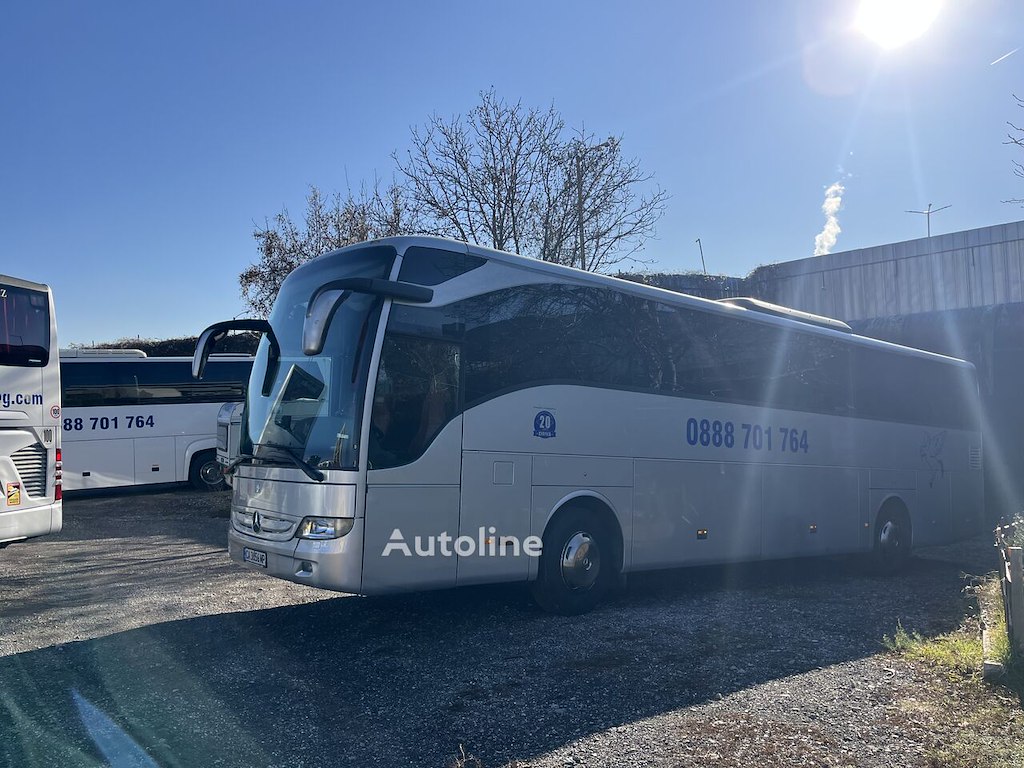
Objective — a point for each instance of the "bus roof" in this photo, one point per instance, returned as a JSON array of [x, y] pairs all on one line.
[[22, 283], [136, 354], [583, 277], [75, 352]]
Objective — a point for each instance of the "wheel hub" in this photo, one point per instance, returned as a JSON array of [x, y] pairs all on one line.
[[889, 536], [210, 473], [581, 561]]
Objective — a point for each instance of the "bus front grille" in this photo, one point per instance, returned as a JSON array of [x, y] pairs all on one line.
[[31, 464], [264, 525]]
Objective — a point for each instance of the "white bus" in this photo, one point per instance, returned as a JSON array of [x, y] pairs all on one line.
[[30, 452], [420, 408], [130, 419]]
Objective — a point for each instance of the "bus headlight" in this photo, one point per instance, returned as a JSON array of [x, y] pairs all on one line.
[[324, 527]]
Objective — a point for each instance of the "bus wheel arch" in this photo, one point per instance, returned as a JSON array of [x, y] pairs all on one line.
[[581, 557], [893, 536], [204, 472]]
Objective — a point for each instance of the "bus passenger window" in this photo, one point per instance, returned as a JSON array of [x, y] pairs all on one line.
[[416, 395]]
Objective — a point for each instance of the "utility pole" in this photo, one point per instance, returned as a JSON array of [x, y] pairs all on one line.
[[702, 256], [928, 214], [580, 150]]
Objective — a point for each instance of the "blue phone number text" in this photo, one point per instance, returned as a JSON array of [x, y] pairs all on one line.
[[723, 434]]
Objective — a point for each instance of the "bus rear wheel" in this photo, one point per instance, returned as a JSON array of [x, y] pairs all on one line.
[[576, 563], [205, 474], [892, 547]]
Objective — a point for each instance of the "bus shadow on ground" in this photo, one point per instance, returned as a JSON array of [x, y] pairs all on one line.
[[407, 680], [175, 511]]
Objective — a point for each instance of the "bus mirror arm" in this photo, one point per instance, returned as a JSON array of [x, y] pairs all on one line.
[[209, 339], [328, 297]]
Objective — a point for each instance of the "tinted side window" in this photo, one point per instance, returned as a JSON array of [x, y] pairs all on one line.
[[533, 335], [536, 334], [92, 384], [417, 393], [133, 382], [432, 266], [898, 387], [171, 382]]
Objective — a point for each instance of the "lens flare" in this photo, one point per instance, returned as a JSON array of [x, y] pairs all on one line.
[[892, 23]]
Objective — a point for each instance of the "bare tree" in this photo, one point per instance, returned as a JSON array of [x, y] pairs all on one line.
[[1016, 138], [598, 210], [503, 176], [330, 223], [476, 177]]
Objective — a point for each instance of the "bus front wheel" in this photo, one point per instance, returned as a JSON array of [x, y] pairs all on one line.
[[205, 473], [576, 563], [892, 547]]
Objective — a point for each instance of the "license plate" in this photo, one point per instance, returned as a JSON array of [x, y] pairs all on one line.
[[254, 556]]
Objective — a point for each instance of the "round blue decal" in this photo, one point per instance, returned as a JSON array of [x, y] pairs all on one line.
[[544, 424]]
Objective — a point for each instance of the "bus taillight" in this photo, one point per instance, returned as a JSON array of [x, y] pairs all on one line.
[[58, 478]]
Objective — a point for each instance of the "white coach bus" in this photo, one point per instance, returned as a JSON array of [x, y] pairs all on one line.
[[130, 419], [30, 454], [421, 412]]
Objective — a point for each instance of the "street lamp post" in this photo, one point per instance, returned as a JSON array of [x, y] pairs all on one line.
[[928, 214], [580, 150], [705, 266]]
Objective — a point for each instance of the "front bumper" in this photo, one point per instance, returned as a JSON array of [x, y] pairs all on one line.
[[334, 564]]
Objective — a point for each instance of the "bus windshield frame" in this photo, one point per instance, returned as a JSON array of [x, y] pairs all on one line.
[[314, 405]]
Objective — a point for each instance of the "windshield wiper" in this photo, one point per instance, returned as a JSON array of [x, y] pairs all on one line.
[[311, 472]]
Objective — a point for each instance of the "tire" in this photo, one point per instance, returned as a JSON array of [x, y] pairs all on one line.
[[893, 541], [576, 563], [204, 474]]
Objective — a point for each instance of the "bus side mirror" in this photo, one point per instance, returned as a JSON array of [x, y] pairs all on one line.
[[207, 341], [318, 318], [328, 297]]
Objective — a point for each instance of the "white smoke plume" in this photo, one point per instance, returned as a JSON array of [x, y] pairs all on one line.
[[826, 239]]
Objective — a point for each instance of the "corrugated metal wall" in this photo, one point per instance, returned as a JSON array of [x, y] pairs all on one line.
[[963, 270]]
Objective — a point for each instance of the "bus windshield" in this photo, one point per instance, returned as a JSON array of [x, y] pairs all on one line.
[[24, 327], [314, 407]]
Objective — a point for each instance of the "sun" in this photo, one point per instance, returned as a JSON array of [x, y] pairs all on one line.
[[892, 23]]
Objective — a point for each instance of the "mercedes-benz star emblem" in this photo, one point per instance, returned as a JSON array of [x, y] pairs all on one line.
[[256, 527]]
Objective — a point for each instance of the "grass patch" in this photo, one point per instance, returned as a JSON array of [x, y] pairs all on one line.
[[971, 722], [958, 651], [991, 598]]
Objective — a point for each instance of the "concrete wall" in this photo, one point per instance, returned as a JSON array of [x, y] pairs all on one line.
[[962, 270]]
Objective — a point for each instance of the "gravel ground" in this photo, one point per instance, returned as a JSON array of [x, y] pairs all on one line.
[[132, 634]]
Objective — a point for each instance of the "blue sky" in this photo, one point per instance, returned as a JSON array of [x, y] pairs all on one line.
[[141, 141]]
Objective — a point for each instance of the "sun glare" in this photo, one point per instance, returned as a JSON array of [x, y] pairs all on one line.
[[892, 23]]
